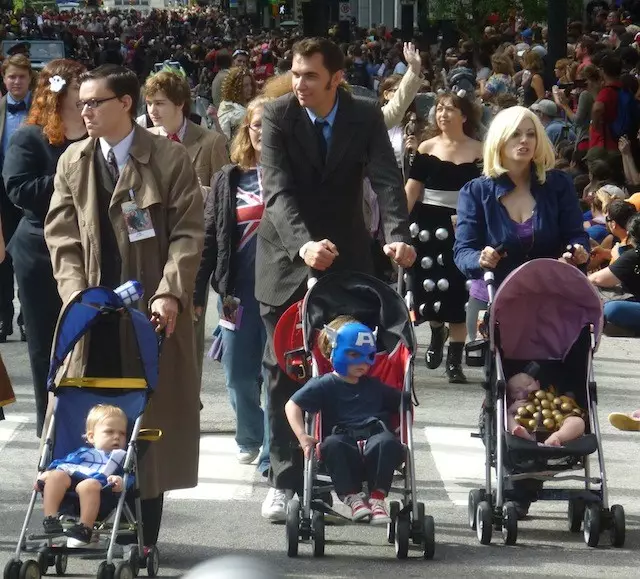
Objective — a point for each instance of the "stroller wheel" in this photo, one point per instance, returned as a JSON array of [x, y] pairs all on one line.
[[106, 571], [293, 527], [133, 558], [152, 556], [403, 530], [509, 523], [61, 564], [394, 509], [317, 534], [428, 537], [476, 496], [123, 571], [617, 529], [592, 520], [484, 523], [12, 569], [30, 570], [575, 515], [417, 526], [43, 560]]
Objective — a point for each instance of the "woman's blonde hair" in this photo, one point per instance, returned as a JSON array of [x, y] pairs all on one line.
[[278, 86], [532, 62], [101, 412], [241, 151], [501, 130], [502, 64], [324, 342]]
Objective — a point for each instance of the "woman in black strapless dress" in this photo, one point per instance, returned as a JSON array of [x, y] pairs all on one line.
[[443, 165]]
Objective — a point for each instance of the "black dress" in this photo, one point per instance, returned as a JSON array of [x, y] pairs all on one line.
[[439, 289]]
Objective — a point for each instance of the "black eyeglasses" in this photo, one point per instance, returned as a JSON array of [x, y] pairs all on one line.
[[94, 103]]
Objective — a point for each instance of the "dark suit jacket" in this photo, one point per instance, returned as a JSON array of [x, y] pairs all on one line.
[[306, 200], [8, 211], [28, 172]]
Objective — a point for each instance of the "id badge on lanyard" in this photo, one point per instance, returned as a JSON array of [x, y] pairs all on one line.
[[137, 220]]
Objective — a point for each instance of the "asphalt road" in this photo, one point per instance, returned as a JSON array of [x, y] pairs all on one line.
[[222, 515]]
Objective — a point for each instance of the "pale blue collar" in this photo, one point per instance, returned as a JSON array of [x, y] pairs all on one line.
[[13, 101], [330, 118]]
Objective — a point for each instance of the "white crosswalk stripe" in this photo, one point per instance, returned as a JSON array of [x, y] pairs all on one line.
[[221, 477], [459, 459]]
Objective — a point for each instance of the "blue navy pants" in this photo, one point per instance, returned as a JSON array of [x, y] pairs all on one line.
[[348, 467]]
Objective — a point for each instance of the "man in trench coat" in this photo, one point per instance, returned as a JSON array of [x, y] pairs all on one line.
[[90, 245]]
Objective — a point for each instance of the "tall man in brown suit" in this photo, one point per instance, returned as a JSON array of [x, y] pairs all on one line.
[[317, 144], [89, 234]]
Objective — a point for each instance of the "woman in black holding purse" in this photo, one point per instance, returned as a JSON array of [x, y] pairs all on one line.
[[54, 122]]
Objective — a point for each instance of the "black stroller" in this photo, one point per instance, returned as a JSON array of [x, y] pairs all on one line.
[[547, 312], [378, 306]]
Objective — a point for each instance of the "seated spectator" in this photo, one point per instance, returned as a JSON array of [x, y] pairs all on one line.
[[557, 129], [595, 221], [623, 315], [618, 215]]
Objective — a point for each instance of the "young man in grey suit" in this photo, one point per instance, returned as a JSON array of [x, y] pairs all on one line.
[[317, 143]]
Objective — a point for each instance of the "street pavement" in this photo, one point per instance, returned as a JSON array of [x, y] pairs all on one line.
[[222, 515]]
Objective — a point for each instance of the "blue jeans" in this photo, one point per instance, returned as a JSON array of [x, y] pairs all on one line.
[[624, 314], [242, 361]]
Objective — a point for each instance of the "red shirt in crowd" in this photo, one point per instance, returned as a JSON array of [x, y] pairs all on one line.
[[608, 96]]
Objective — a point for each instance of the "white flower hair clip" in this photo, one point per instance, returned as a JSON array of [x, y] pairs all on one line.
[[57, 83]]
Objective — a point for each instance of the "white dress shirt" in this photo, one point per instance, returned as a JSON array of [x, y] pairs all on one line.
[[121, 150]]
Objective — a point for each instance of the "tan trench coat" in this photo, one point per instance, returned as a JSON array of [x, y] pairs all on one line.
[[162, 177]]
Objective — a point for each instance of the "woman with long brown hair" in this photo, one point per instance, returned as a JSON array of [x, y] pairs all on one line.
[[443, 165], [233, 212], [54, 122]]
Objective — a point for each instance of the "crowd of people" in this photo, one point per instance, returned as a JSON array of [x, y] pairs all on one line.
[[449, 162]]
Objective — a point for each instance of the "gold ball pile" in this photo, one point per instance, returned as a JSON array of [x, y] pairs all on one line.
[[547, 409]]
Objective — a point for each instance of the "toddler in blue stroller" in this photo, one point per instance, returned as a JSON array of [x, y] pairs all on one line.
[[90, 456]]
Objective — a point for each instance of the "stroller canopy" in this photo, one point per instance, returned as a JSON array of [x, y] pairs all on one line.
[[84, 311], [364, 297], [541, 308]]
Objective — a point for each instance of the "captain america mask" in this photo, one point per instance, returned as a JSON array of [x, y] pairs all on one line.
[[353, 343]]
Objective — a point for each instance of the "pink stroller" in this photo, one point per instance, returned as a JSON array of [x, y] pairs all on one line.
[[547, 312]]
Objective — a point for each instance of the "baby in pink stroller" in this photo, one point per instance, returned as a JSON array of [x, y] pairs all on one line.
[[530, 407]]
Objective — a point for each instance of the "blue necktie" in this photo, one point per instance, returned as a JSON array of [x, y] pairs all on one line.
[[319, 126]]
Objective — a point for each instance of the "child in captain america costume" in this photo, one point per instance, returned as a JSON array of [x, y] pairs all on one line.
[[86, 471], [355, 412]]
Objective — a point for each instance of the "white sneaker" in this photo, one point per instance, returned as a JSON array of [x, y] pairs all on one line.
[[274, 507], [247, 456]]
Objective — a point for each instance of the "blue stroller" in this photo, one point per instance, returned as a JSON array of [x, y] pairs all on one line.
[[74, 397]]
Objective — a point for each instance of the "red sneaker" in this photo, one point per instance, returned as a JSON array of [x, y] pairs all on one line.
[[379, 512], [359, 509]]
